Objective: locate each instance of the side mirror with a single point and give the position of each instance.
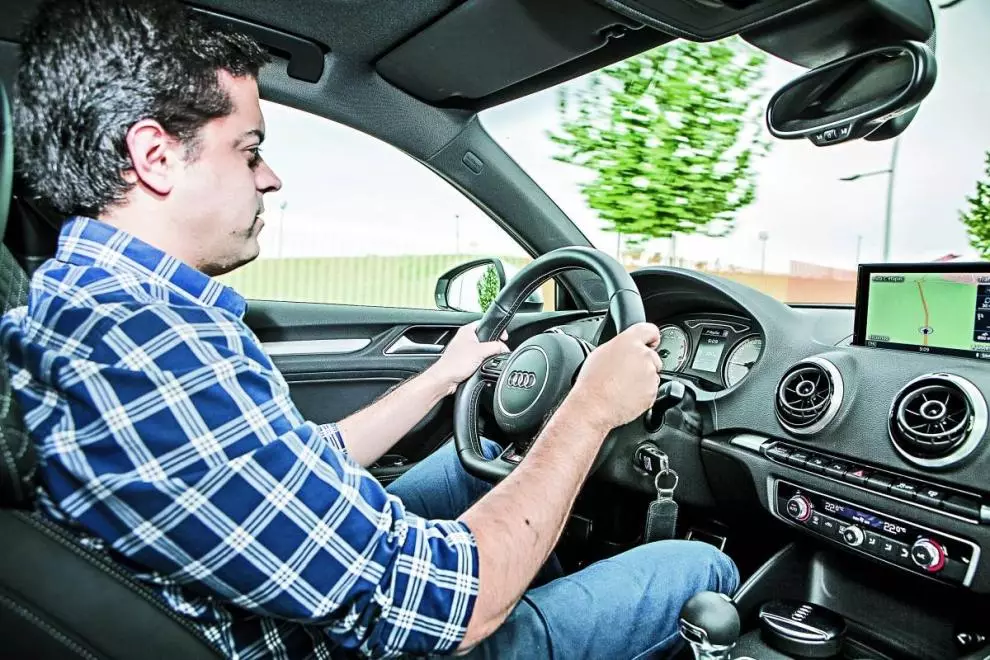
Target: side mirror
(854, 96)
(473, 287)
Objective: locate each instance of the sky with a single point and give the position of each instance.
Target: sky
(377, 200)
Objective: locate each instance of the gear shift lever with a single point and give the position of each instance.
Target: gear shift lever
(710, 624)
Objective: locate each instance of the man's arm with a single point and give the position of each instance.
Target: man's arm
(517, 524)
(373, 430)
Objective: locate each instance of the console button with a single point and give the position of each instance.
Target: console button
(873, 543)
(890, 550)
(815, 522)
(931, 496)
(799, 508)
(817, 463)
(853, 536)
(830, 528)
(904, 555)
(857, 475)
(779, 452)
(836, 469)
(879, 482)
(798, 458)
(928, 555)
(962, 506)
(954, 570)
(904, 489)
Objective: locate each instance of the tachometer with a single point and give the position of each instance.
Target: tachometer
(741, 360)
(673, 348)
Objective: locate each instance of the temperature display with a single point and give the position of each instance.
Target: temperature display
(863, 518)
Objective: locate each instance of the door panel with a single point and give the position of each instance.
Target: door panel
(338, 359)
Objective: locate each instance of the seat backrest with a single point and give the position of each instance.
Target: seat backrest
(58, 599)
(16, 451)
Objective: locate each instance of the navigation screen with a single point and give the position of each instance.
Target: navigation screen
(929, 312)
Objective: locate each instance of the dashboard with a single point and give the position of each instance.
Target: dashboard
(864, 427)
(714, 351)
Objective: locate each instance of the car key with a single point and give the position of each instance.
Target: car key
(661, 516)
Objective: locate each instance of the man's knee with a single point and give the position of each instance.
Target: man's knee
(724, 574)
(702, 565)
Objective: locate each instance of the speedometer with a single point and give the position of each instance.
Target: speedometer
(673, 348)
(741, 360)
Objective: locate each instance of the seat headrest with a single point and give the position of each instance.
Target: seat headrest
(6, 159)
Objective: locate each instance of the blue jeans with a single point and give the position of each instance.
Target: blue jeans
(622, 607)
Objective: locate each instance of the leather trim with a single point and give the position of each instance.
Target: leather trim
(18, 527)
(49, 629)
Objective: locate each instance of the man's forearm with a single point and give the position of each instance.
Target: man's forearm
(373, 430)
(517, 523)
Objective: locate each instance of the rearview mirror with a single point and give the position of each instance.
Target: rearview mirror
(852, 97)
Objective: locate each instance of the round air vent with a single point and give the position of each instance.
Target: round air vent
(809, 396)
(937, 420)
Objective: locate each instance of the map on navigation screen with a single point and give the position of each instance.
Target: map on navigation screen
(930, 312)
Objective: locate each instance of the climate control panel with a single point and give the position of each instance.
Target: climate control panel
(918, 549)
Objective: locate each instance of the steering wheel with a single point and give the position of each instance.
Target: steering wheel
(531, 381)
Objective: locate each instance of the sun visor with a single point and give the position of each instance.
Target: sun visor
(484, 46)
(705, 20)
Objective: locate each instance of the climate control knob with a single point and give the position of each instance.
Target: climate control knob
(853, 536)
(799, 508)
(928, 554)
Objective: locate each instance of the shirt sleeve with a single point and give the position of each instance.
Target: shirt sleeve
(195, 463)
(332, 435)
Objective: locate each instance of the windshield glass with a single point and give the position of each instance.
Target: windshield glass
(665, 159)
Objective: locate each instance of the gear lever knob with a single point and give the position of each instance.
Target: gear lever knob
(710, 624)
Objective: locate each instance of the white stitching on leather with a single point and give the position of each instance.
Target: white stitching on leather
(47, 627)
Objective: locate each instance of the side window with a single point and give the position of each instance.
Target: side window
(359, 222)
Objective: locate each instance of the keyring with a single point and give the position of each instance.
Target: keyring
(661, 473)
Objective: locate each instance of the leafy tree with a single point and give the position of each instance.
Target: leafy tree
(488, 288)
(977, 216)
(672, 136)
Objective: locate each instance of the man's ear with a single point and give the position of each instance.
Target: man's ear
(154, 156)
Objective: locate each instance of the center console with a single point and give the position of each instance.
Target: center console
(918, 549)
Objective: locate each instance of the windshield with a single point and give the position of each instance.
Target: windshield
(665, 159)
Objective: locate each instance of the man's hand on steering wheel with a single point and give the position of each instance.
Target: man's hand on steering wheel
(619, 380)
(463, 355)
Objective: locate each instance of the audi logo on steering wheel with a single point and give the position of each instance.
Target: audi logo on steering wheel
(522, 380)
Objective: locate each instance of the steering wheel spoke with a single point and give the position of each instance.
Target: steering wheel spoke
(491, 369)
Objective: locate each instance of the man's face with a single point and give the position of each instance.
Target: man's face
(218, 191)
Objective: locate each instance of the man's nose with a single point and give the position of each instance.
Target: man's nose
(268, 181)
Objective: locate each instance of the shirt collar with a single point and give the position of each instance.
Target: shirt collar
(88, 242)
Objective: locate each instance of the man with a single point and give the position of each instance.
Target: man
(168, 438)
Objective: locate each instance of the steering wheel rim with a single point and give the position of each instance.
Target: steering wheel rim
(625, 308)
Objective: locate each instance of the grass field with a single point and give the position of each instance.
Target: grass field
(409, 281)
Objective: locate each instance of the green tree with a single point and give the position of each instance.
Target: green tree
(671, 135)
(488, 288)
(977, 216)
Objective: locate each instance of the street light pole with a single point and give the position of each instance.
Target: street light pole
(764, 237)
(888, 215)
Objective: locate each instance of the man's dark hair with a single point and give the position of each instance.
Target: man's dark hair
(91, 69)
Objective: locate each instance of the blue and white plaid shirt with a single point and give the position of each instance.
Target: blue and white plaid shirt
(167, 437)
